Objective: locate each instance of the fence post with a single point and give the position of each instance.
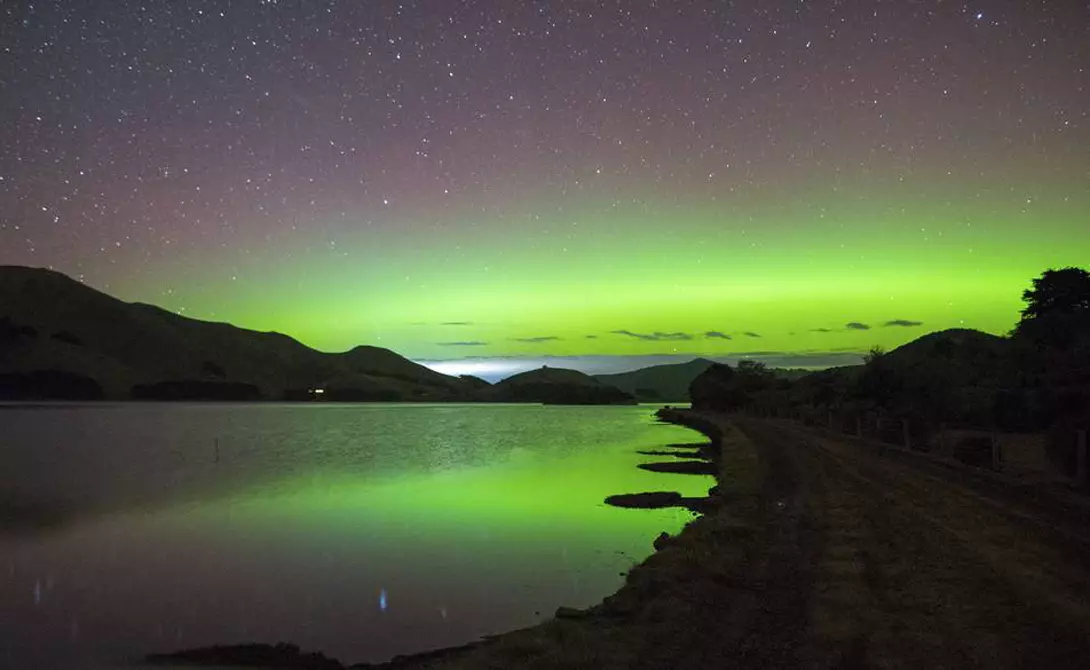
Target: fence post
(997, 453)
(907, 435)
(830, 419)
(1080, 458)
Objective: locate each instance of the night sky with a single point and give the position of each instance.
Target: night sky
(792, 180)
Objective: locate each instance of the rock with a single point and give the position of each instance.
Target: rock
(676, 454)
(280, 655)
(662, 541)
(648, 500)
(563, 612)
(681, 467)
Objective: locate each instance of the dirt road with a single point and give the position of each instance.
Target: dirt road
(913, 565)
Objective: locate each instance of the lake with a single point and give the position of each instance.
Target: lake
(363, 531)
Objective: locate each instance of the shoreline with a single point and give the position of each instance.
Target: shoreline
(649, 593)
(666, 612)
(660, 612)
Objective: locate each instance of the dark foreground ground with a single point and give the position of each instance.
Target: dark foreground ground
(827, 552)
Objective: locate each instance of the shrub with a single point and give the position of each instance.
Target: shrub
(975, 450)
(1061, 442)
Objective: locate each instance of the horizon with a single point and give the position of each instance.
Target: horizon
(498, 367)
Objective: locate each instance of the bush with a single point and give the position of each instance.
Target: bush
(975, 450)
(1061, 443)
(196, 389)
(67, 338)
(48, 385)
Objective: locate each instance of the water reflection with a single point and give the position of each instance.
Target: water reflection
(363, 531)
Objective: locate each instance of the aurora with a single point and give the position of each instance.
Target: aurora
(504, 183)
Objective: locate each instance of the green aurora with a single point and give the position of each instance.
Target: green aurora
(795, 274)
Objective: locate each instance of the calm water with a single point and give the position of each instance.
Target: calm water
(363, 531)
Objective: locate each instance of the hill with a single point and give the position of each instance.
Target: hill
(971, 352)
(60, 338)
(670, 382)
(956, 375)
(558, 386)
(658, 383)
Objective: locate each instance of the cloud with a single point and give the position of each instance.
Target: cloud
(902, 323)
(855, 325)
(656, 336)
(822, 330)
(716, 335)
(470, 343)
(542, 338)
(750, 333)
(456, 323)
(591, 337)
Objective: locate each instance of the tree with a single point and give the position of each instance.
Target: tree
(878, 382)
(1063, 292)
(753, 376)
(1057, 311)
(711, 389)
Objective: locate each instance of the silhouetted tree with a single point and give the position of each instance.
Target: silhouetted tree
(1057, 311)
(195, 389)
(711, 389)
(1065, 292)
(873, 355)
(878, 383)
(751, 376)
(48, 385)
(726, 389)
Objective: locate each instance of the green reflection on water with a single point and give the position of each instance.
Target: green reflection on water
(467, 522)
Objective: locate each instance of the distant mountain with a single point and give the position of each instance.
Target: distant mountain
(60, 338)
(658, 383)
(670, 382)
(558, 386)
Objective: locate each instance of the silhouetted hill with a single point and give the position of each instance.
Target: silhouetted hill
(969, 355)
(476, 383)
(51, 323)
(955, 375)
(557, 386)
(658, 383)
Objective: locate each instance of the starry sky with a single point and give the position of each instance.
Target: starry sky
(498, 182)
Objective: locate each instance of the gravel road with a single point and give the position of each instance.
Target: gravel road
(909, 563)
